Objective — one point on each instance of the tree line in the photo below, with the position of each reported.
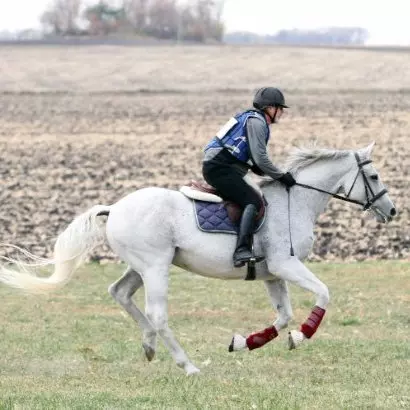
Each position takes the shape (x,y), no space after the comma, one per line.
(193,20)
(331,36)
(180,20)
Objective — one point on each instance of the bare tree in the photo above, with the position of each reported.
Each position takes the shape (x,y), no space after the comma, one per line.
(217,28)
(105,18)
(137,12)
(202,20)
(176,19)
(62,17)
(197,20)
(162,19)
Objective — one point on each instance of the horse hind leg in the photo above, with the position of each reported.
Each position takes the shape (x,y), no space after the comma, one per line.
(156,308)
(122,291)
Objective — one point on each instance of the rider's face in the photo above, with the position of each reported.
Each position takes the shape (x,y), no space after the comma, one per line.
(278,115)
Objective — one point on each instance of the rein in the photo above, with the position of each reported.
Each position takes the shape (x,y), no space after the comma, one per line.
(371,198)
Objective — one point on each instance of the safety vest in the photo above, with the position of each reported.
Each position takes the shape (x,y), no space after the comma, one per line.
(233,136)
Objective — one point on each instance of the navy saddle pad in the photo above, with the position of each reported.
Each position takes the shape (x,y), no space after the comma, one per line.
(213,217)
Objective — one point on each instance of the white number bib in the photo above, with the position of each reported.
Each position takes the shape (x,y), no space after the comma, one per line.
(226,128)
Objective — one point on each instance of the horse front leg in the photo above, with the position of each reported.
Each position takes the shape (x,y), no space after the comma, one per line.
(294,271)
(279,296)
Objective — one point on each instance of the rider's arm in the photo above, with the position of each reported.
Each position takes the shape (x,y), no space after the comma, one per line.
(256,130)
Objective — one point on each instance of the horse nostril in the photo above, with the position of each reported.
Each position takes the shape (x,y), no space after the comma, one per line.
(393,211)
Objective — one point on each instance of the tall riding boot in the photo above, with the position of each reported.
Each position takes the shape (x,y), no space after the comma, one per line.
(243,253)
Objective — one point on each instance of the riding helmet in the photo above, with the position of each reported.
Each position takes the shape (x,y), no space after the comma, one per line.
(269,97)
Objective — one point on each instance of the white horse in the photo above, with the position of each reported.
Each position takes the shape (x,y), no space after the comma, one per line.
(153,228)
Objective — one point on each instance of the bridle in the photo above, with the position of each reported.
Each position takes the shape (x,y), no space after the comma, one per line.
(371,198)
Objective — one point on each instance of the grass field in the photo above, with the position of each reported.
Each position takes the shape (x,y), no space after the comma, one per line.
(77,349)
(87,125)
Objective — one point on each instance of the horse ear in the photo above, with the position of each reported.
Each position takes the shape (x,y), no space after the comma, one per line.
(367,151)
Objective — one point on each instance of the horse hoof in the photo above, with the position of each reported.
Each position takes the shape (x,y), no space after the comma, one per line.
(295,338)
(191,370)
(238,343)
(149,352)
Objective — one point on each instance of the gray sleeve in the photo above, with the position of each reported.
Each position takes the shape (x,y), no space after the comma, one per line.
(256,130)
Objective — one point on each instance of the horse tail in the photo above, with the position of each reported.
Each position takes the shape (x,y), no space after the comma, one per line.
(83,234)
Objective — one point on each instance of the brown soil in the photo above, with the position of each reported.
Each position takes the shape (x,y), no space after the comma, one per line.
(87,125)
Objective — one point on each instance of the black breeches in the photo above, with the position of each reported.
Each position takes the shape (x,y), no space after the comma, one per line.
(230,184)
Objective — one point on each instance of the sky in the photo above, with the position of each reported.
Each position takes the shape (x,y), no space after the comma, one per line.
(387,21)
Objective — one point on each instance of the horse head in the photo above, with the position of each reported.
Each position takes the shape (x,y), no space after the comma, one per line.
(363,184)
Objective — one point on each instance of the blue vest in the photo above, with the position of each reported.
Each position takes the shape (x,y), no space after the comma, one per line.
(233,136)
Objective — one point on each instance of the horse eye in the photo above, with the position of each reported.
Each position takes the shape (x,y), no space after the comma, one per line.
(374,177)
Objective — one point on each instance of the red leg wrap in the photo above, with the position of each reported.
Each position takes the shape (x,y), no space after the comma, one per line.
(256,340)
(313,321)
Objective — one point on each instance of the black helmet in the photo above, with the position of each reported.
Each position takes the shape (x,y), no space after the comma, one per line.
(269,97)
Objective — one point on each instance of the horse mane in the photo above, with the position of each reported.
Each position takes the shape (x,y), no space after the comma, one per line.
(302,157)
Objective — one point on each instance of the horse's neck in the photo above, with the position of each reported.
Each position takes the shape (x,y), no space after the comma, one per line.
(327,175)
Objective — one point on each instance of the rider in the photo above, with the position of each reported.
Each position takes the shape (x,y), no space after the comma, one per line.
(240,145)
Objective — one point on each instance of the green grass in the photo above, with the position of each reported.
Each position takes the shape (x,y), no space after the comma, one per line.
(77,349)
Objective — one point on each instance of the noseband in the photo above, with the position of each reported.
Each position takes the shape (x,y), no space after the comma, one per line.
(371,198)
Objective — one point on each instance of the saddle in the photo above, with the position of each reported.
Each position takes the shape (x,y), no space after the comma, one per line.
(215,214)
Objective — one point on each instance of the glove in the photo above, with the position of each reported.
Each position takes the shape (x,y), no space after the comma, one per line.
(287,179)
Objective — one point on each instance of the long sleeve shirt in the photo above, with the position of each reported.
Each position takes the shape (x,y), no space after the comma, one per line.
(256,130)
(256,133)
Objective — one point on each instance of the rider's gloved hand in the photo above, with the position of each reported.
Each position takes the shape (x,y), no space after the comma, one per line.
(287,179)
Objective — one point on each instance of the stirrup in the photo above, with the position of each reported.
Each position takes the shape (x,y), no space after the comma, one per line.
(256,259)
(251,272)
(246,254)
(252,260)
